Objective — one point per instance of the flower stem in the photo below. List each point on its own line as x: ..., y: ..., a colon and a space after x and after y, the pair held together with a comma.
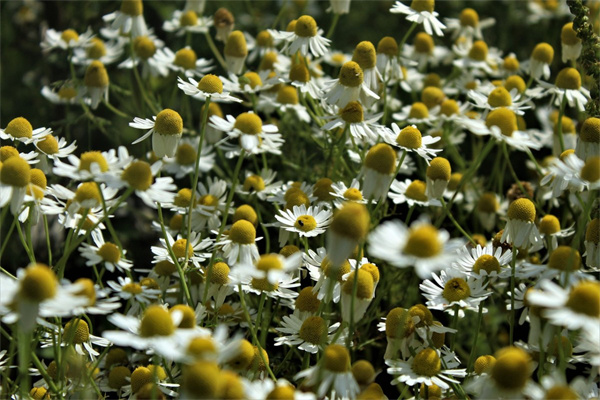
x: 475, y: 337
x: 513, y: 263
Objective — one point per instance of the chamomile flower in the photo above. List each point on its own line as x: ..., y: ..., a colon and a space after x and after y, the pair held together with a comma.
x: 248, y: 128
x: 67, y: 39
x: 453, y: 288
x: 349, y: 86
x: 146, y: 53
x: 53, y: 148
x: 187, y: 21
x: 417, y: 114
x: 308, y: 334
x: 270, y: 269
x: 211, y: 204
x: 484, y: 261
x: 421, y: 246
x: 366, y: 57
x: 550, y: 231
x: 261, y: 185
x: 306, y: 222
x: 166, y: 129
x: 410, y: 139
x: 575, y: 307
x: 567, y: 88
x: 592, y: 244
x: 129, y: 18
x: 184, y: 162
x: 490, y: 99
x: 248, y: 83
x: 285, y: 102
x: 209, y: 86
x: 378, y: 171
x: 570, y: 43
x: 424, y: 52
x: 363, y: 130
x: 333, y: 373
x: 182, y: 249
x: 105, y: 252
x: 424, y: 368
x: 300, y: 77
x: 349, y: 226
x: 239, y: 245
x: 477, y: 57
x: 66, y: 94
x: 502, y: 124
x: 520, y: 230
x: 97, y: 49
x: 343, y: 193
x: 541, y: 58
x: 14, y: 183
x: 588, y: 144
x: 96, y: 83
x: 306, y: 38
x: 76, y: 332
x: 184, y: 61
x: 562, y: 172
x: 328, y: 277
x: 421, y: 12
x: 468, y: 24
x: 91, y: 165
x: 365, y: 292
x: 127, y: 290
x: 411, y: 192
x: 98, y: 300
x: 20, y: 129
x: 564, y: 263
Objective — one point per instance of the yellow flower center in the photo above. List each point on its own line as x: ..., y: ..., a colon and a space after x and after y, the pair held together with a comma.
x: 244, y: 357
x: 220, y: 274
x: 323, y: 188
x: 96, y: 75
x: 185, y: 154
x: 164, y: 268
x: 268, y: 61
x: 565, y: 258
x: 305, y: 223
x: 503, y: 118
x: 296, y: 198
x: 432, y: 80
x: 512, y: 368
x: 188, y: 18
x: 353, y: 194
x: 381, y: 158
x: 183, y: 198
x: 563, y: 156
x: 132, y: 7
x: 333, y: 272
x: 77, y: 330
x: 87, y: 290
x: 561, y: 392
x: 422, y: 5
x: 450, y: 107
x: 416, y: 190
x: 568, y: 35
x: 283, y: 392
x: 514, y: 82
x: 306, y: 26
x: 455, y: 179
x: 269, y: 262
x: 299, y: 73
x: 423, y: 242
x: 351, y: 74
x: 264, y: 39
x: 479, y: 51
x: 388, y: 46
x: 68, y: 35
x: 336, y: 358
x: 521, y: 209
x: 140, y: 377
x: 592, y: 233
x: 132, y: 288
x: 223, y: 18
x: 210, y: 84
x: 287, y: 95
x: 7, y: 152
x: 245, y: 212
x: 248, y: 123
x: 351, y: 221
x: 186, y: 59
x: 484, y: 364
x: 424, y: 43
x: 15, y: 172
x: 254, y: 183
x: 469, y: 17
x: 418, y: 111
x: 543, y: 52
x: 487, y: 263
x: 568, y: 78
x: 88, y: 191
x: 39, y: 283
x: 591, y: 169
x: 399, y: 323
x: 456, y: 289
x: 95, y: 50
x: 427, y: 363
x: 252, y: 79
x: 144, y: 47
x: 313, y: 330
x: 156, y: 322
x: 511, y: 64
x: 39, y: 393
x: 149, y: 283
x: 585, y: 298
x: 115, y: 356
x: 439, y: 169
x: 236, y: 45
x: 549, y: 224
x: 202, y: 347
x: 109, y: 252
x: 242, y: 232
x: 352, y: 113
x: 432, y: 96
x: 365, y: 55
x: 307, y: 300
x: 138, y: 175
x: 117, y: 377
x: 208, y: 200
x: 179, y: 248
x: 189, y: 316
x: 264, y: 284
x: 48, y: 145
x: 410, y: 137
x: 499, y: 97
x: 365, y: 284
x: 90, y: 157
x: 590, y: 130
x: 19, y: 128
x: 202, y: 379
x: 488, y: 203
x: 363, y: 372
x: 168, y: 122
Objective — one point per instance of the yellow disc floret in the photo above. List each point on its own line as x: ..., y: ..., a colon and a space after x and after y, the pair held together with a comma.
x: 236, y: 45
x: 363, y: 372
x: 15, y: 172
x: 592, y: 232
x: 424, y: 43
x: 388, y: 46
x: 307, y: 300
x: 96, y: 75
x: 479, y: 51
x: 511, y: 64
x: 522, y: 209
x: 364, y: 285
x: 365, y: 55
x: 543, y: 52
x: 423, y: 242
x: 48, y: 145
x: 381, y: 158
x: 118, y: 377
x: 139, y: 175
x: 549, y: 224
x: 254, y: 183
x: 77, y: 331
x: 68, y: 35
x: 179, y: 248
x: 305, y: 223
x: 351, y: 221
x: 568, y: 35
x: 499, y: 97
x: 336, y: 358
x: 306, y: 26
x: 92, y: 157
x: 109, y: 252
x: 132, y: 7
x: 418, y: 110
x: 201, y: 380
x: 244, y: 356
x: 313, y: 330
x: 469, y: 17
x: 565, y: 258
x: 416, y: 190
x: 39, y: 283
x: 450, y: 107
x: 287, y: 95
x: 512, y: 368
x: 19, y: 128
x: 352, y: 113
x: 186, y: 58
x: 515, y: 82
x: 484, y: 364
x: 591, y: 170
x: 423, y: 5
x: 439, y: 169
x: 590, y: 130
x: 183, y: 198
x: 487, y: 263
x: 156, y: 322
x: 248, y: 123
x: 353, y: 194
x: 188, y: 18
x: 456, y: 289
x: 242, y: 232
x: 88, y: 192
x: 584, y: 298
x: 399, y: 323
x: 246, y: 212
x: 188, y: 319
x: 351, y: 74
x: 568, y: 78
x: 432, y: 96
x: 168, y: 122
x: 211, y: 84
x: 503, y: 118
x: 185, y: 154
x: 427, y: 363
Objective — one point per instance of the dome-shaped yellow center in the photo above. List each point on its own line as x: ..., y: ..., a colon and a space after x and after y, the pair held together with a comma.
x: 568, y: 35
x: 514, y: 82
x: 549, y: 224
x: 140, y: 377
x: 409, y: 137
x: 422, y: 5
x: 427, y: 363
x: 164, y: 268
x: 503, y: 118
x: 89, y: 157
x: 351, y: 221
x: 188, y: 18
x: 352, y: 113
x: 118, y: 377
x: 365, y: 285
x: 77, y: 330
x: 423, y: 43
x: 543, y: 52
x: 132, y: 288
x: 333, y: 272
x: 210, y: 84
x: 88, y: 191
x: 186, y: 59
x: 220, y: 273
x: 248, y: 123
x: 590, y: 130
x: 299, y: 73
x: 512, y: 368
x: 264, y: 39
x: 336, y: 358
x: 185, y: 154
x: 313, y: 330
x: 287, y: 95
x: 268, y: 61
x: 568, y: 78
x: 388, y: 46
x: 306, y: 26
x: 132, y: 7
x: 202, y: 347
x: 242, y: 232
x: 353, y: 194
x: 499, y: 97
x: 156, y: 322
x: 201, y: 379
x: 254, y: 183
x: 68, y: 35
x: 365, y: 55
x: 363, y: 372
x: 188, y: 320
x: 7, y: 152
x: 48, y: 145
x: 511, y: 64
x: 247, y: 213
x: 15, y: 172
x: 381, y: 158
x: 418, y: 110
x: 351, y: 74
x: 469, y: 17
x: 179, y: 248
x: 282, y: 392
x: 236, y: 45
x: 439, y: 169
x: 399, y: 323
x: 450, y: 107
x: 416, y: 190
x: 138, y: 175
x: 487, y: 263
x: 479, y: 51
x: 521, y: 209
x: 96, y: 75
x: 144, y: 47
x: 109, y: 252
x: 565, y: 258
x: 432, y: 96
x: 484, y: 364
x: 584, y: 298
x: 307, y: 300
x: 168, y: 122
x: 39, y: 283
x: 488, y: 203
x: 456, y: 289
x: 183, y: 198
x: 19, y: 128
x: 592, y: 232
x: 305, y: 223
x: 244, y: 357
x: 591, y: 169
x: 96, y: 49
x: 423, y: 242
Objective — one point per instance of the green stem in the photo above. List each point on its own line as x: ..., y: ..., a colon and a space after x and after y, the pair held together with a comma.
x: 334, y: 22
x: 456, y: 224
x: 47, y: 233
x: 24, y: 243
x: 405, y: 38
x: 454, y: 326
x: 215, y: 51
x: 559, y: 127
x: 476, y: 335
x: 513, y: 263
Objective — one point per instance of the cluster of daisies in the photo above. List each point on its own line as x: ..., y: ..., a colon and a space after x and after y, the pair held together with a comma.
x: 324, y: 224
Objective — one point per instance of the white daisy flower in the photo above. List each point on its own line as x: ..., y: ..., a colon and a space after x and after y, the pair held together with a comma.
x: 468, y: 24
x: 65, y: 95
x: 520, y: 229
x: 76, y: 332
x: 410, y: 139
x: 501, y: 124
x: 484, y: 261
x: 477, y: 57
x: 53, y: 148
x: 363, y: 127
x: 349, y: 86
x: 283, y: 290
x: 261, y: 185
x: 423, y: 52
x: 421, y: 12
x: 306, y: 222
x: 343, y: 193
x: 379, y: 168
x: 98, y: 302
x: 20, y: 129
x: 424, y: 368
x: 411, y: 192
x: 211, y: 204
x: 96, y: 83
x: 562, y: 174
x: 239, y: 245
x: 305, y: 38
x: 105, y: 252
x: 541, y: 58
x: 421, y: 246
x: 248, y: 127
x: 209, y: 86
x: 67, y: 39
x: 328, y: 277
x: 567, y: 88
x: 365, y: 292
x: 564, y: 264
x: 184, y: 162
x: 194, y: 246
x: 127, y: 290
x: 308, y: 334
x: 588, y: 143
x: 285, y: 102
x: 91, y: 165
x: 453, y: 288
x: 166, y: 129
x: 417, y: 114
x: 248, y: 83
x: 490, y: 98
x: 97, y: 49
x: 187, y: 21
x: 146, y: 49
x: 184, y: 61
x: 259, y: 47
x: 550, y: 231
x: 14, y: 183
x: 128, y: 19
